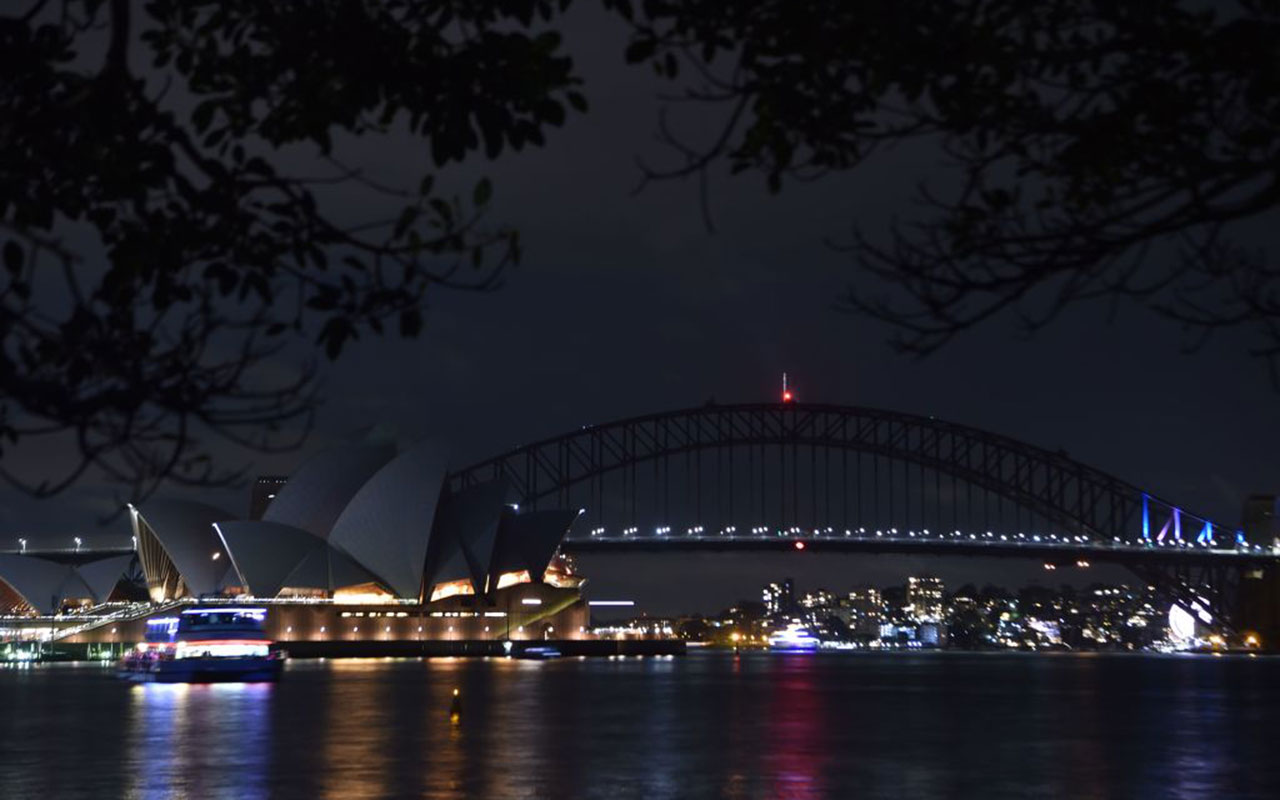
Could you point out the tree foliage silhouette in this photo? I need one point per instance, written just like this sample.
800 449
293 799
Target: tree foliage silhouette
163 237
176 208
1096 150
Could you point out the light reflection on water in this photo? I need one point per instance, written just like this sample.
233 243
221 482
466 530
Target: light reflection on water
709 725
179 743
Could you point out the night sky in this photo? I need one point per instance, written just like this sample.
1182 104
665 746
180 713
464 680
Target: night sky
627 304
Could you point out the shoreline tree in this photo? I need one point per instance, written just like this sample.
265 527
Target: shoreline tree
1097 151
166 222
169 237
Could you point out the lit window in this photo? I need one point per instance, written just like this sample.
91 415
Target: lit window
451 589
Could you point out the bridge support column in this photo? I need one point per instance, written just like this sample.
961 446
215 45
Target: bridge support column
1259 611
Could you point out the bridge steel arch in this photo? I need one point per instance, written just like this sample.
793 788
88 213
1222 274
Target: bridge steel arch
1118 522
1083 500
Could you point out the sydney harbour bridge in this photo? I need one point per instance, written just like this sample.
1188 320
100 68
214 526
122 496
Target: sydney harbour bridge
823 478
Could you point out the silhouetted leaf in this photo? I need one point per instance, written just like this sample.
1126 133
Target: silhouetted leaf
482 193
13 257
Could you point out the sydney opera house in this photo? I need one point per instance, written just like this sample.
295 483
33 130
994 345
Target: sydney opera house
361 543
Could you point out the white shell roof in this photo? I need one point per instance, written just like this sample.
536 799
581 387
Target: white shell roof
269 556
529 540
43 584
320 489
185 530
386 525
463 539
101 576
264 553
328 568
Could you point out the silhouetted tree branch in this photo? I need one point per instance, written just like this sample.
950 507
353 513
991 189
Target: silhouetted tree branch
161 249
1098 150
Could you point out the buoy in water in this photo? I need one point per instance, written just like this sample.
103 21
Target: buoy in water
455 709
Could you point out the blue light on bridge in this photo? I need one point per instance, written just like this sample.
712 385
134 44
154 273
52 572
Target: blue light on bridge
1146 517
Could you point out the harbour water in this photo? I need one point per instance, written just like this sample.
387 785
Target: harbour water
713 725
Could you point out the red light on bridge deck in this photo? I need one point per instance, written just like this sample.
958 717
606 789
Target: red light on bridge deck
799 545
787 397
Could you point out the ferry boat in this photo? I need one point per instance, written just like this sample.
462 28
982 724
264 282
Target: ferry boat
538 652
203 645
793 639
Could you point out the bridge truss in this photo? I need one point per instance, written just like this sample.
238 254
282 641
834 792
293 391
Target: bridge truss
770 473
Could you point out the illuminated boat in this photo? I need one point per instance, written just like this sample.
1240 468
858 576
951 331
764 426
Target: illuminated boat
793 639
203 645
538 652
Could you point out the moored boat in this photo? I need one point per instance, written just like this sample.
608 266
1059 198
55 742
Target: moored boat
793 639
203 645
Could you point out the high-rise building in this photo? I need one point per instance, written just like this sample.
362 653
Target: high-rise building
818 600
779 598
1261 521
866 611
265 489
924 598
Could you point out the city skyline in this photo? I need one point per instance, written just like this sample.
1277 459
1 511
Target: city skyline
522 399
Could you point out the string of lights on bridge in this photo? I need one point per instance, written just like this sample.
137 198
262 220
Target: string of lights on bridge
1205 540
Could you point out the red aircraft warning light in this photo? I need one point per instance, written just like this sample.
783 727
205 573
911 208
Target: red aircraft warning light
787 395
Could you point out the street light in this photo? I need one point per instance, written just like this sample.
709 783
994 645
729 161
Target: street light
22 543
77 542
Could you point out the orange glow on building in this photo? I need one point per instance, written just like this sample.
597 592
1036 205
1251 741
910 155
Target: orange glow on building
451 589
560 573
362 593
512 578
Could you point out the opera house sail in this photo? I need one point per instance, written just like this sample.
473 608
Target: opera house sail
359 544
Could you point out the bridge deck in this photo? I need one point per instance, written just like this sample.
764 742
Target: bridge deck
1048 552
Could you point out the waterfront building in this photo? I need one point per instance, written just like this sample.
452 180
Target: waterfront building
1261 518
359 543
779 598
866 612
924 598
931 634
818 601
